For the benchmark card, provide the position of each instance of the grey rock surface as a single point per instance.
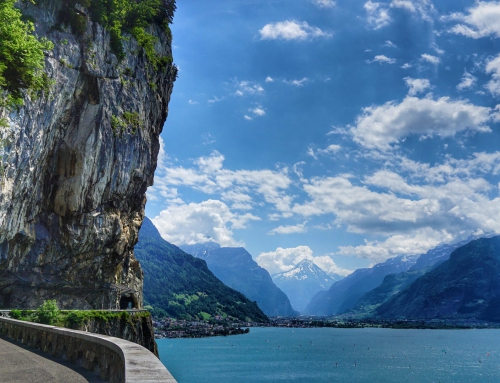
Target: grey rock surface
(72, 189)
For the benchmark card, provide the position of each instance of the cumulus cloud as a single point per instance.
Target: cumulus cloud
(324, 3)
(390, 44)
(381, 126)
(258, 111)
(209, 176)
(269, 79)
(414, 205)
(418, 242)
(430, 59)
(377, 14)
(291, 30)
(292, 229)
(416, 85)
(481, 20)
(467, 82)
(493, 67)
(207, 221)
(382, 59)
(283, 259)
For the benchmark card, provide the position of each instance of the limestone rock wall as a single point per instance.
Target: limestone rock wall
(72, 183)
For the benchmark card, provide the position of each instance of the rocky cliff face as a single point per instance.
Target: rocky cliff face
(75, 169)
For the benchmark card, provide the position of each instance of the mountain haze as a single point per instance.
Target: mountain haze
(302, 282)
(236, 268)
(182, 286)
(344, 294)
(394, 283)
(465, 286)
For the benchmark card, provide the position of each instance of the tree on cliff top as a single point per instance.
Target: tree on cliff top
(21, 57)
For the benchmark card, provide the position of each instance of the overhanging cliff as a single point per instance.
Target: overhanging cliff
(77, 163)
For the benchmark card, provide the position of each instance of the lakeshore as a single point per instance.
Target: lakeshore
(178, 328)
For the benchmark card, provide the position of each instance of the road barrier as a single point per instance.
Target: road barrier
(116, 360)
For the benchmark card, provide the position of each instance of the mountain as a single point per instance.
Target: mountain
(182, 285)
(236, 268)
(302, 282)
(394, 283)
(344, 294)
(465, 286)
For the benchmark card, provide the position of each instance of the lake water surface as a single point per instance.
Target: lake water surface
(336, 355)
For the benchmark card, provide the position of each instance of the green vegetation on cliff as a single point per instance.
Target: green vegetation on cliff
(49, 313)
(22, 57)
(123, 16)
(182, 286)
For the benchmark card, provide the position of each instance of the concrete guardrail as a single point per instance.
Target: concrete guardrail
(116, 360)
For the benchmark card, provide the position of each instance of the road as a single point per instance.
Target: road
(19, 364)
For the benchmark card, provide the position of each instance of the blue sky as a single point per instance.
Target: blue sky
(346, 132)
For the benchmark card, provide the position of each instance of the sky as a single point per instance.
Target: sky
(346, 132)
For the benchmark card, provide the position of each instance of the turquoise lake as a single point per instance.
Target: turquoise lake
(336, 355)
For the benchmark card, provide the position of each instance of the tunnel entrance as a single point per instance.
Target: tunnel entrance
(127, 302)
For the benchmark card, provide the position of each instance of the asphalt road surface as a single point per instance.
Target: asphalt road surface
(20, 364)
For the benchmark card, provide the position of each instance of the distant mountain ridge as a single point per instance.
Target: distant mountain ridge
(182, 286)
(344, 294)
(394, 283)
(465, 286)
(302, 282)
(236, 268)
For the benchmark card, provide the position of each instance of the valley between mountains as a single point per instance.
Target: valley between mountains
(460, 281)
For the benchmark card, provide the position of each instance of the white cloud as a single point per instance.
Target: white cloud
(481, 20)
(390, 44)
(292, 229)
(405, 4)
(468, 81)
(258, 111)
(215, 99)
(423, 7)
(283, 259)
(244, 88)
(493, 67)
(269, 79)
(207, 221)
(210, 177)
(428, 206)
(430, 59)
(297, 82)
(381, 126)
(291, 30)
(406, 66)
(377, 14)
(248, 118)
(416, 85)
(324, 3)
(415, 243)
(191, 102)
(333, 148)
(382, 59)
(329, 150)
